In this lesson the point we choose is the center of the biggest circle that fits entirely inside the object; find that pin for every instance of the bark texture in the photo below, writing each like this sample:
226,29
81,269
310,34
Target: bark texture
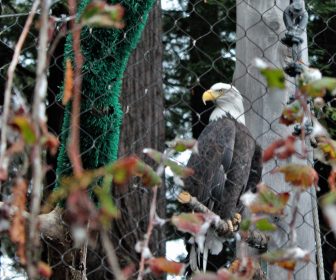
143,126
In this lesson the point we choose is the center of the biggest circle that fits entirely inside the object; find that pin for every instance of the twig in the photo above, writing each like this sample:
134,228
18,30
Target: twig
38,116
150,227
9,84
74,144
111,255
83,253
294,214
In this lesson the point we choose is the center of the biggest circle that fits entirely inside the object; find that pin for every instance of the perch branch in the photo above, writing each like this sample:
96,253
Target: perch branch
253,238
9,85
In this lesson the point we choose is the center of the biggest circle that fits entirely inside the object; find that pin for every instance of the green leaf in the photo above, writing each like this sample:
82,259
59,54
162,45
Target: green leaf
286,257
24,125
149,177
328,199
245,224
318,88
108,209
265,225
160,158
275,78
181,145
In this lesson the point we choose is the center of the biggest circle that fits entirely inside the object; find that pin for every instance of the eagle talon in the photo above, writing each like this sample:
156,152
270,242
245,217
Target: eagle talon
230,225
237,218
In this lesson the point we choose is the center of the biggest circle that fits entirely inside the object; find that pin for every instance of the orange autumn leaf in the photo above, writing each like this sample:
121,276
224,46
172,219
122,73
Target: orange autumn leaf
288,265
68,82
162,265
299,175
17,230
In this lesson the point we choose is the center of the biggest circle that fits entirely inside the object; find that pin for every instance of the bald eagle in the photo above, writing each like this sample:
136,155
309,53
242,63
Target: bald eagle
228,163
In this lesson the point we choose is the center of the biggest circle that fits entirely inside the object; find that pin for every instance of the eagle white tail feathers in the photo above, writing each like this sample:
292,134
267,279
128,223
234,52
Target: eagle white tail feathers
213,244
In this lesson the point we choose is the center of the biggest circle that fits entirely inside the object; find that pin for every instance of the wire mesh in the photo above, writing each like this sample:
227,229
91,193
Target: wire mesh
187,46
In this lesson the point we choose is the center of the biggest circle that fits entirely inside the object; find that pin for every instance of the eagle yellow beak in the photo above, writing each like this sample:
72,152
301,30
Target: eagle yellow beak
209,95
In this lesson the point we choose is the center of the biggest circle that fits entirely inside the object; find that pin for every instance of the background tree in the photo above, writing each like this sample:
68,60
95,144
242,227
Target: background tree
142,126
199,47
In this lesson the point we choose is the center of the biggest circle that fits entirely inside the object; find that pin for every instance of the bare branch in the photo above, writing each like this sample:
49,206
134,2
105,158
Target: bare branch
292,227
9,85
74,144
111,255
38,116
150,227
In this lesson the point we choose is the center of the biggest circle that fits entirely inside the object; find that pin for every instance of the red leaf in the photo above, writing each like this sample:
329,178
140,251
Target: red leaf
299,175
44,270
190,222
162,265
282,148
52,143
128,270
123,169
81,210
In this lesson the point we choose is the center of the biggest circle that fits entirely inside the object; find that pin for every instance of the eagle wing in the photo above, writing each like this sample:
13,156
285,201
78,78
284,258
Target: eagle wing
222,166
215,152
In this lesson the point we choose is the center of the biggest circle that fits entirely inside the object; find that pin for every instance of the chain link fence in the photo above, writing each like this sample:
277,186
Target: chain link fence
186,47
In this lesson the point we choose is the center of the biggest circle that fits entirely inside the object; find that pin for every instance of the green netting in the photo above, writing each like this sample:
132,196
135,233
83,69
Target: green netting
106,52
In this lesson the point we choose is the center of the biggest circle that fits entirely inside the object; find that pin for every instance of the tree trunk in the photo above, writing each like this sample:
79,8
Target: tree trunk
143,126
259,29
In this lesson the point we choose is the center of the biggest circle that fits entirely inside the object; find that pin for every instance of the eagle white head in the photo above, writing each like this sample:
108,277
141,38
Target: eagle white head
228,101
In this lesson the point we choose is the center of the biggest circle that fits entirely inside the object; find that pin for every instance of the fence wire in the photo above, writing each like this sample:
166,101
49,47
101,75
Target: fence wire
186,47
